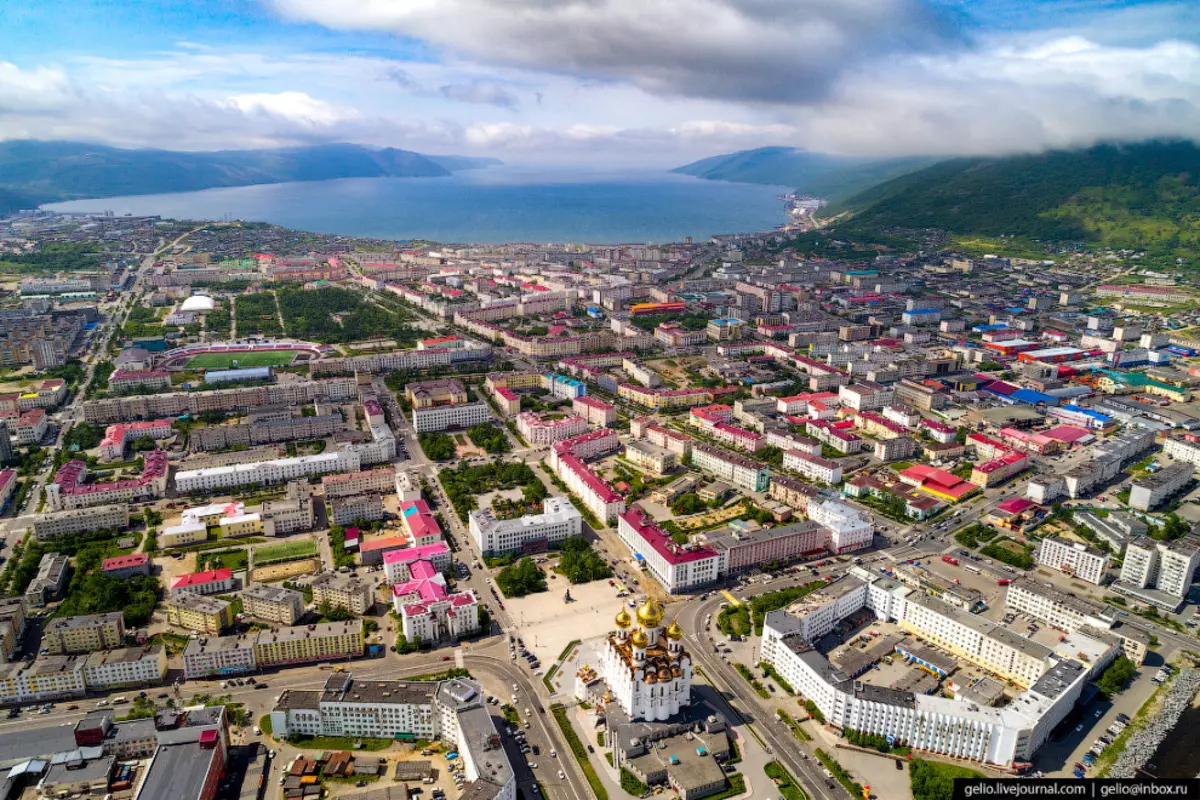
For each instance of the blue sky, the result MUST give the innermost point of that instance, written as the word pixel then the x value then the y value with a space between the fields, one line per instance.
pixel 603 80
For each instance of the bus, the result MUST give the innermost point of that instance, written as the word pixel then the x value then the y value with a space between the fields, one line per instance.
pixel 970 568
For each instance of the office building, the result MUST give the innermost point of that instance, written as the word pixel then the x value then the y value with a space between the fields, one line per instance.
pixel 533 532
pixel 849 528
pixel 677 567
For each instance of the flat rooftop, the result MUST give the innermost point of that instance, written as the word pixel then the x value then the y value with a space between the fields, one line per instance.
pixel 177 771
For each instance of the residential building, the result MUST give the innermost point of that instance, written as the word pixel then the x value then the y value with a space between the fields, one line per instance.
pixel 47 527
pixel 379 481
pixel 813 467
pixel 196 612
pixel 267 472
pixel 1074 558
pixel 118 437
pixel 125 667
pixel 742 548
pixel 738 470
pixel 348 510
pixel 534 532
pixel 792 492
pixel 539 429
pixel 84 634
pixel 894 449
pixel 596 412
pixel 678 568
pixel 865 396
pixel 209 656
pixel 307 644
pixel 728 329
pixel 452 712
pixel 1159 572
pixel 343 591
pixel 272 603
pixel 599 498
pixel 1147 492
pixel 656 460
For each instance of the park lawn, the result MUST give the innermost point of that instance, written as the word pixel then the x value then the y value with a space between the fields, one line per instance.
pixel 287 551
pixel 274 358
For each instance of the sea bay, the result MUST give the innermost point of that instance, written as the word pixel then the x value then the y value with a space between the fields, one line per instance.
pixel 498 204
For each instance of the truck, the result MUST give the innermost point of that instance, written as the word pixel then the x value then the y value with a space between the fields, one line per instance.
pixel 950 560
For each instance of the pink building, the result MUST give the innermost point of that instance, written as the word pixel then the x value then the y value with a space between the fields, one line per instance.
pixel 214 581
pixel 397 564
pixel 541 430
pixel 740 438
pixel 596 412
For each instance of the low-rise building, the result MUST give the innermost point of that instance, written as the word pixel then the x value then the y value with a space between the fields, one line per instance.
pixel 215 581
pixel 182 535
pixel 378 481
pixel 540 429
pixel 130 566
pixel 813 467
pixel 653 459
pixel 738 470
pixel 54 570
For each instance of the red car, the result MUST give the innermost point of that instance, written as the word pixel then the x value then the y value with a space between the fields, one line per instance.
pixel 445 658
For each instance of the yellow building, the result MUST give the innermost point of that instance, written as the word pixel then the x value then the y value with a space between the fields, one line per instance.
pixel 427 394
pixel 84 634
pixel 180 535
pixel 242 525
pixel 664 398
pixel 51 676
pixel 197 612
pixel 305 644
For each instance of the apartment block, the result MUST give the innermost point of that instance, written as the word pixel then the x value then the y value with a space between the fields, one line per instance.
pixel 1074 558
pixel 1159 572
pixel 740 471
pixel 655 460
pixel 47 527
pixel 307 644
pixel 379 481
pixel 349 509
pixel 272 603
pixel 343 591
pixel 125 667
pixel 197 612
pixel 84 634
pixel 538 429
pixel 261 473
pixel 209 656
pixel 1148 492
pixel 813 467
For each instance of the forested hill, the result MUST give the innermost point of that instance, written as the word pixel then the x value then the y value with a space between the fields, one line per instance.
pixel 34 172
pixel 819 174
pixel 1143 196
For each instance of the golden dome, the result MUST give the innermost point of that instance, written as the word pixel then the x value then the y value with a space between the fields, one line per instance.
pixel 676 671
pixel 651 678
pixel 664 674
pixel 675 632
pixel 623 619
pixel 650 614
pixel 640 639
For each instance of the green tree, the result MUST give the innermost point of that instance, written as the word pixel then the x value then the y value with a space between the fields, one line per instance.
pixel 520 579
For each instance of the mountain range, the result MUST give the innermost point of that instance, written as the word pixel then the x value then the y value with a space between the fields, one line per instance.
pixel 34 172
pixel 819 174
pixel 1142 196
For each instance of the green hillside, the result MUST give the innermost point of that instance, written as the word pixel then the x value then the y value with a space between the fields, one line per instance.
pixel 34 172
pixel 820 174
pixel 1143 196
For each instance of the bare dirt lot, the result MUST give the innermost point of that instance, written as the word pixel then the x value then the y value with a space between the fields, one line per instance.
pixel 289 569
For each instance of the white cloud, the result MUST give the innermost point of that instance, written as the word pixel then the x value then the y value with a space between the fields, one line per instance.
pixel 759 50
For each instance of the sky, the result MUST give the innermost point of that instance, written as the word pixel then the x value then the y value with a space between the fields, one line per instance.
pixel 629 82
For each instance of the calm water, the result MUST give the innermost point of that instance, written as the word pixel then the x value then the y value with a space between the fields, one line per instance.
pixel 1176 756
pixel 493 205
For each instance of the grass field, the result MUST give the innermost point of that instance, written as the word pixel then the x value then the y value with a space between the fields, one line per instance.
pixel 224 559
pixel 274 358
pixel 288 551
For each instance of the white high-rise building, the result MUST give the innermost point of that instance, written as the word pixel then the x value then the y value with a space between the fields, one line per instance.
pixel 1074 558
